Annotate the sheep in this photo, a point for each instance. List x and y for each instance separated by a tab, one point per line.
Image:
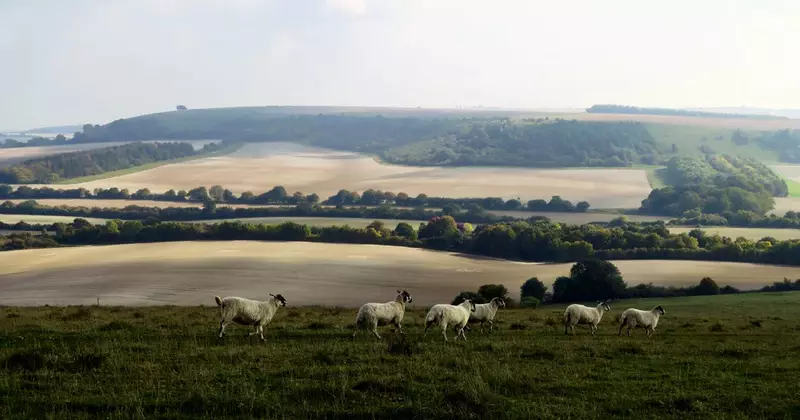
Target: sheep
248	312
446	315
485	312
633	318
579	314
374	314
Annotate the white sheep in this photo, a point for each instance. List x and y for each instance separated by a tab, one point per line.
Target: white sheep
580	314
248	312
446	316
485	312
371	315
648	320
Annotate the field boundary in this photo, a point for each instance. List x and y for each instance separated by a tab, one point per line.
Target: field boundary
127	171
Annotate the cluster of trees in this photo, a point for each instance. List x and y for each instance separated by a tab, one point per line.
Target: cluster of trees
716	184
623	109
453	206
593	279
97	161
558	143
538	240
485	294
782	286
785	142
34	142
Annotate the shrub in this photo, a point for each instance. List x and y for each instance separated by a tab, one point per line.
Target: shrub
529	302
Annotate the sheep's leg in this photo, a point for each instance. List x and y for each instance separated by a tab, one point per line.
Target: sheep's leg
375	330
444	331
649	331
254	332
222	325
491	325
566	329
463	334
629	330
399	327
592	328
621	327
261	332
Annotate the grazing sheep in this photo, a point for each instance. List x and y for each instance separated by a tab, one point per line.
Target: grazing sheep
648	320
248	312
579	314
446	315
371	315
485	312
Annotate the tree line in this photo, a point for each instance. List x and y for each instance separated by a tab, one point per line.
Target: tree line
623	109
533	240
279	195
59	140
50	169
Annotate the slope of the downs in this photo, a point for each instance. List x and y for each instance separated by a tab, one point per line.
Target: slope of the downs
192	273
259	167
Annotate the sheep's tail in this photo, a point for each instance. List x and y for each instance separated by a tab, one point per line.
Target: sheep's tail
433	317
566	317
219	300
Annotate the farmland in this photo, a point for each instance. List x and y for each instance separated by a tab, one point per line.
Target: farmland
191	273
166	362
15	155
259	167
749	233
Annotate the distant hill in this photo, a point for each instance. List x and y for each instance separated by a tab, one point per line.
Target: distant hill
61	129
788	113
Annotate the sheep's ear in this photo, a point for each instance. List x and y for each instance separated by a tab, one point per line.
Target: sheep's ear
399	291
272	295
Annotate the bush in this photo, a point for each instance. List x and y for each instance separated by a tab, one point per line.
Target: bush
476	298
529	302
707	286
491	291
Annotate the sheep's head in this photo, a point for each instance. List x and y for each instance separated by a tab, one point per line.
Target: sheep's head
468	304
660	310
604	305
404	296
499	302
279	298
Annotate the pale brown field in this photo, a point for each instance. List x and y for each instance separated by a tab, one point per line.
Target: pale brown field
259	167
749	233
743	123
784	204
43	219
191	273
14	155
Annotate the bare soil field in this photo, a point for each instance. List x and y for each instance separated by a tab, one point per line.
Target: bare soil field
15	155
743	123
784	204
191	273
259	167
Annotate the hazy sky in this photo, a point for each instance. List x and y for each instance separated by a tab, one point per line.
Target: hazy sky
77	61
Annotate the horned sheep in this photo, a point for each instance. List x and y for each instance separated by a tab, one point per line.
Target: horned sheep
372	315
446	315
248	312
580	314
633	318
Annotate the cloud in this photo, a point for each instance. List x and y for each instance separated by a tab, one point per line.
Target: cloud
353	7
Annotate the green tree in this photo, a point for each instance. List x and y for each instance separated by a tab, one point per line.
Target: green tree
589	280
491	291
533	287
405	230
216	193
707	286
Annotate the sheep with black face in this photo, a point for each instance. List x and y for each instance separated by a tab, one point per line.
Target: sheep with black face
248	312
372	315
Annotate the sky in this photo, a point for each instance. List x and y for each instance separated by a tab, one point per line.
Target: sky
93	61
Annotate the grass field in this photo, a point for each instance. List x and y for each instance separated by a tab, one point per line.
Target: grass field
675	120
259	167
191	273
784	204
710	358
749	233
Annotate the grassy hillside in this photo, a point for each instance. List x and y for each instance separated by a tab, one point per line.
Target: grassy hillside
166	362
